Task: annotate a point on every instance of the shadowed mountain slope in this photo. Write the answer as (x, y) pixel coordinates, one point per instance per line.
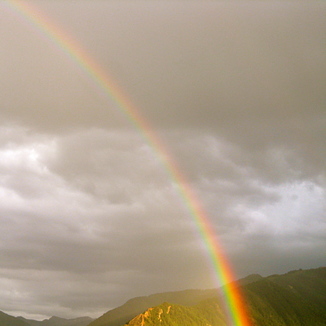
(57, 321)
(294, 298)
(7, 320)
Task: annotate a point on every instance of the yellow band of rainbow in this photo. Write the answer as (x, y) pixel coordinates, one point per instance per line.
(233, 298)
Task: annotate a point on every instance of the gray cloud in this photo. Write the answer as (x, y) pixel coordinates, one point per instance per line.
(90, 216)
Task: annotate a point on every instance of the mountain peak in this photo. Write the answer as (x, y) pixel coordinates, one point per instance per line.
(173, 314)
(250, 279)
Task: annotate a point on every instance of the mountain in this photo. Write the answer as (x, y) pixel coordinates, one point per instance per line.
(7, 320)
(167, 314)
(136, 306)
(297, 298)
(57, 321)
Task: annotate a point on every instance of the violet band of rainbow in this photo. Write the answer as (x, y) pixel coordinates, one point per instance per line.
(234, 302)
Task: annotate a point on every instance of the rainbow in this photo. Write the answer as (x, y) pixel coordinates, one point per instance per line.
(234, 302)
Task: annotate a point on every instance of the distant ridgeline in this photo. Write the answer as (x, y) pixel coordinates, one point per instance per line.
(7, 320)
(297, 298)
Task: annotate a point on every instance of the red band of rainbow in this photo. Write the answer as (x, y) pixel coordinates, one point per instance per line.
(233, 298)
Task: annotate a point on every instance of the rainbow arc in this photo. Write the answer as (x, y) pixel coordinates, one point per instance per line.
(234, 302)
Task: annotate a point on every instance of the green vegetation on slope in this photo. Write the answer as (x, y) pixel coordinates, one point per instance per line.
(168, 314)
(297, 298)
(136, 306)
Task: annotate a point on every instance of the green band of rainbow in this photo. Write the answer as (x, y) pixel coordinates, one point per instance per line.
(223, 273)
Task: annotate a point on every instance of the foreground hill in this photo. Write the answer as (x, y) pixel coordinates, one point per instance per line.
(207, 313)
(121, 315)
(136, 306)
(297, 298)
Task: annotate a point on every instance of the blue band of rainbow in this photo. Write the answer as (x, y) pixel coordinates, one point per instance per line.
(234, 302)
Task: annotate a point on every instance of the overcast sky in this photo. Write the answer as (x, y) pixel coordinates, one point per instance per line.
(89, 216)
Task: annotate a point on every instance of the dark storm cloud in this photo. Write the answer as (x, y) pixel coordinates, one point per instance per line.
(85, 204)
(90, 217)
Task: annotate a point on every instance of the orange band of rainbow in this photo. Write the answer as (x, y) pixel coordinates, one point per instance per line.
(233, 299)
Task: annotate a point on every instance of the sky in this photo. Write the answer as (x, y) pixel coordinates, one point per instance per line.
(89, 214)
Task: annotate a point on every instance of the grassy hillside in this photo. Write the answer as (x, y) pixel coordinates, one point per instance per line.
(309, 284)
(297, 298)
(136, 306)
(168, 314)
(271, 304)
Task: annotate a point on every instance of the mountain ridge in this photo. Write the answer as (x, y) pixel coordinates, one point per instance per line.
(122, 314)
(296, 298)
(54, 321)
